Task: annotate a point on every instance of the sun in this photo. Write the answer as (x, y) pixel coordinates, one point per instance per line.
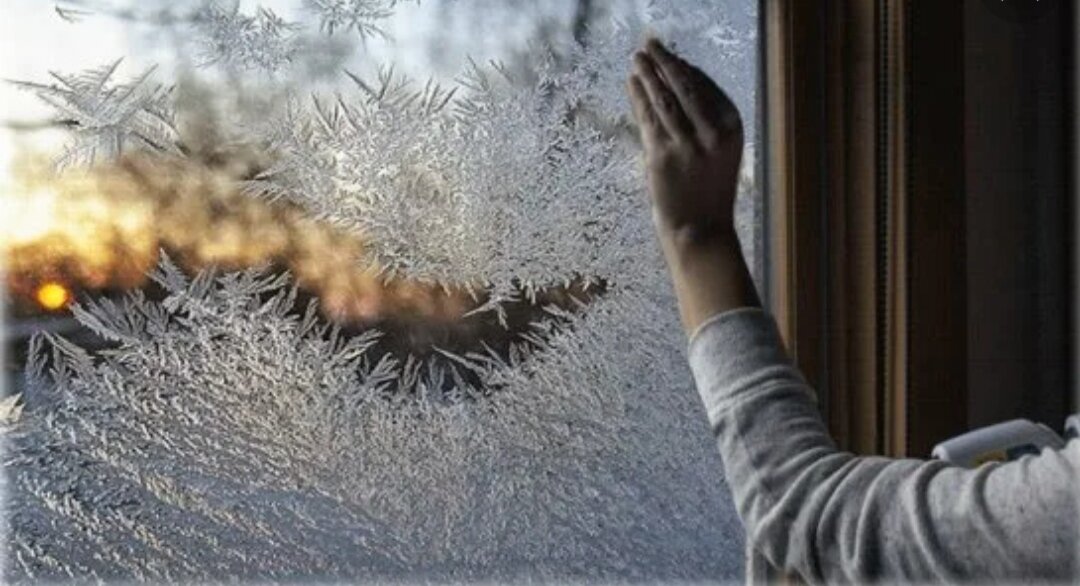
(52, 295)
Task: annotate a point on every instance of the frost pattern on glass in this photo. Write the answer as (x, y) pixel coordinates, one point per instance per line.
(263, 41)
(359, 16)
(104, 117)
(223, 435)
(486, 186)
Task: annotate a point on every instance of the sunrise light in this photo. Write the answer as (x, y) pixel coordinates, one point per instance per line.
(52, 296)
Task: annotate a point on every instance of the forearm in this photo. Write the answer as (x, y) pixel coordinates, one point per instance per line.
(709, 273)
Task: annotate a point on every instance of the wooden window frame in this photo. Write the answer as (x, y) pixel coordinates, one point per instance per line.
(850, 149)
(865, 122)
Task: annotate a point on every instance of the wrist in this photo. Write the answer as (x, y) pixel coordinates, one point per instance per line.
(709, 274)
(692, 239)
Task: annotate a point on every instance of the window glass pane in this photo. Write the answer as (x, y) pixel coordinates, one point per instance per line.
(344, 289)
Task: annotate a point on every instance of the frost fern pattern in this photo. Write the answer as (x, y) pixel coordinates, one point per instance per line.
(223, 434)
(106, 118)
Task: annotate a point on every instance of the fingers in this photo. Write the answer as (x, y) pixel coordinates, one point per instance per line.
(706, 105)
(664, 102)
(651, 129)
(683, 82)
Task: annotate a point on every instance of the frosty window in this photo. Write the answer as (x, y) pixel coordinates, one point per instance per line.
(346, 289)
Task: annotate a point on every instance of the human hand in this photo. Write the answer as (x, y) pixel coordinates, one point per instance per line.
(693, 141)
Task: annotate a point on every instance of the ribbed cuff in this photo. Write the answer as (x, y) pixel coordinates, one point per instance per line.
(731, 314)
(731, 346)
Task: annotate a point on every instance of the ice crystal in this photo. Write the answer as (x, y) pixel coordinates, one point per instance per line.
(264, 41)
(70, 14)
(360, 16)
(106, 118)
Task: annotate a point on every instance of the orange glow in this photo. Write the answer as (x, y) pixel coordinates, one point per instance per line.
(102, 228)
(52, 296)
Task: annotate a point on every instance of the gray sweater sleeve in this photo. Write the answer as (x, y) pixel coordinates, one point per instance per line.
(831, 516)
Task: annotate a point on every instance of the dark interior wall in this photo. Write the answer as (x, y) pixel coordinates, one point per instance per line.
(1072, 109)
(936, 242)
(1017, 121)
